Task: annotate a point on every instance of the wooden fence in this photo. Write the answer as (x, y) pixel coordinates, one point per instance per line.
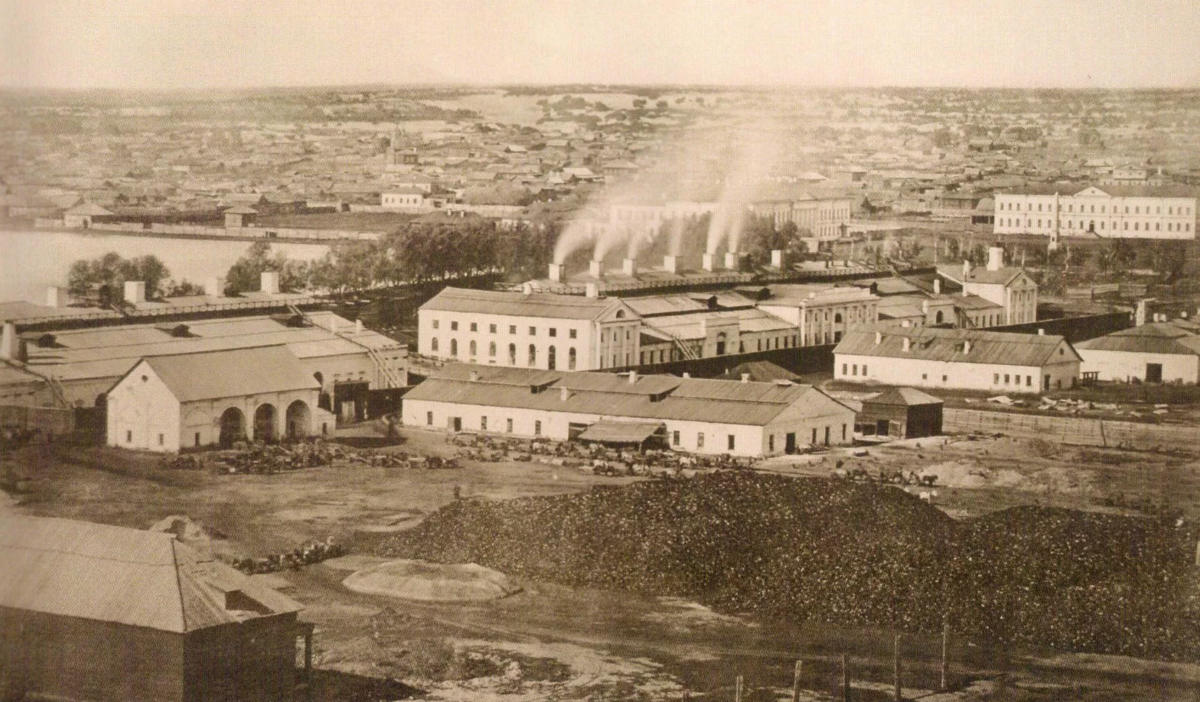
(50, 420)
(1077, 431)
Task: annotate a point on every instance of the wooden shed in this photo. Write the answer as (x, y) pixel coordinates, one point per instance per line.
(902, 413)
(96, 612)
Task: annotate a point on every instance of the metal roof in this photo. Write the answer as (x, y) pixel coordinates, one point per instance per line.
(119, 575)
(904, 397)
(220, 374)
(688, 325)
(1002, 276)
(947, 345)
(620, 432)
(519, 304)
(1161, 338)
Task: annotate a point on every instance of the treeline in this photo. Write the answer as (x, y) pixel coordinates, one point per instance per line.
(103, 279)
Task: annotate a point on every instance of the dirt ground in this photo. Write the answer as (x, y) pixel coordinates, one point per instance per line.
(555, 642)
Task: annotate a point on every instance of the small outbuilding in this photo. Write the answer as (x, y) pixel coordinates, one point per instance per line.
(240, 216)
(165, 403)
(84, 215)
(901, 413)
(97, 612)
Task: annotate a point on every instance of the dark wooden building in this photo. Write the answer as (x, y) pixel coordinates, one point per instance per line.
(103, 613)
(902, 413)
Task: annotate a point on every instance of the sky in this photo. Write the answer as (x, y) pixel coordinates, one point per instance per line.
(172, 44)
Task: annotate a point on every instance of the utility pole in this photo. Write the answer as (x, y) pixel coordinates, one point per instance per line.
(737, 693)
(845, 680)
(796, 680)
(899, 696)
(945, 645)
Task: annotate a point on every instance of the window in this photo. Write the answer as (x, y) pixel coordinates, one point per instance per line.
(454, 347)
(945, 378)
(483, 423)
(843, 432)
(854, 369)
(814, 439)
(843, 369)
(533, 331)
(571, 358)
(492, 349)
(537, 428)
(197, 438)
(771, 443)
(128, 437)
(512, 329)
(512, 354)
(436, 323)
(826, 436)
(532, 355)
(552, 359)
(1029, 381)
(429, 418)
(1006, 378)
(491, 328)
(996, 379)
(924, 376)
(474, 326)
(553, 331)
(732, 441)
(160, 439)
(433, 345)
(864, 370)
(508, 425)
(675, 438)
(473, 347)
(571, 333)
(700, 440)
(453, 326)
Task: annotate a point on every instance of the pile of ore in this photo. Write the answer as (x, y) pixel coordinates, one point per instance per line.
(842, 552)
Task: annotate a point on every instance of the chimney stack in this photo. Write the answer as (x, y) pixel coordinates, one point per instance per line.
(596, 268)
(966, 269)
(473, 376)
(671, 264)
(57, 297)
(358, 326)
(907, 344)
(556, 270)
(686, 374)
(995, 258)
(268, 282)
(777, 260)
(1041, 332)
(564, 394)
(709, 262)
(733, 260)
(8, 342)
(878, 338)
(214, 287)
(937, 286)
(592, 290)
(745, 377)
(135, 291)
(924, 306)
(966, 347)
(633, 376)
(629, 267)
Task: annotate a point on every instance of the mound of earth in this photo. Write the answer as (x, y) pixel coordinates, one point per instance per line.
(845, 553)
(432, 582)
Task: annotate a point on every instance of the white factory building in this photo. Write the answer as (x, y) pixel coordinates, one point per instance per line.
(1008, 287)
(966, 359)
(1110, 212)
(738, 418)
(165, 403)
(1164, 352)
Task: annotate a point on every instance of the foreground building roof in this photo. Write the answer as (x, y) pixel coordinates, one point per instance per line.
(957, 346)
(219, 374)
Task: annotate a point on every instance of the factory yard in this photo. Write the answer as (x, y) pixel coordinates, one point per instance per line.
(554, 641)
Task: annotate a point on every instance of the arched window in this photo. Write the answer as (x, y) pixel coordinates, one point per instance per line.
(492, 349)
(551, 358)
(512, 354)
(473, 348)
(837, 318)
(454, 347)
(433, 345)
(532, 356)
(721, 344)
(940, 317)
(620, 314)
(571, 358)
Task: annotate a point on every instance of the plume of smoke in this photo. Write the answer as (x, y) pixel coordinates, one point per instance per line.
(677, 225)
(578, 234)
(755, 155)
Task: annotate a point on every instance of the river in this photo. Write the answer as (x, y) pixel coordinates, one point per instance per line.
(31, 261)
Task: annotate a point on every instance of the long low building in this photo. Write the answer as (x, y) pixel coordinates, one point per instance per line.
(965, 359)
(739, 418)
(1153, 353)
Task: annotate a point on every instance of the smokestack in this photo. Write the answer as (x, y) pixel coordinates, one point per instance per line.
(924, 306)
(564, 394)
(671, 264)
(358, 326)
(135, 291)
(709, 262)
(57, 297)
(596, 268)
(777, 258)
(966, 347)
(937, 286)
(686, 374)
(629, 267)
(878, 338)
(592, 290)
(268, 282)
(214, 287)
(995, 258)
(556, 270)
(733, 260)
(473, 376)
(907, 343)
(745, 377)
(633, 377)
(1041, 332)
(9, 342)
(966, 270)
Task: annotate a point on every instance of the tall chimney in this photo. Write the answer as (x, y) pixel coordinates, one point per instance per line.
(1139, 317)
(564, 394)
(214, 287)
(473, 376)
(966, 269)
(9, 342)
(745, 377)
(269, 282)
(671, 264)
(556, 270)
(633, 377)
(907, 343)
(732, 260)
(135, 291)
(596, 268)
(358, 326)
(937, 286)
(592, 290)
(966, 347)
(777, 258)
(924, 306)
(629, 267)
(995, 258)
(709, 262)
(878, 338)
(57, 297)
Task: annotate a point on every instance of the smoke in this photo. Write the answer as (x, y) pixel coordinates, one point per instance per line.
(756, 152)
(578, 234)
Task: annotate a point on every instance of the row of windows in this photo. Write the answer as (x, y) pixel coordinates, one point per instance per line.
(472, 352)
(854, 369)
(1137, 209)
(730, 440)
(1007, 381)
(512, 329)
(483, 424)
(1091, 226)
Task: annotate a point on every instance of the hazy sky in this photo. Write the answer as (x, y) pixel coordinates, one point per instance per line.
(206, 43)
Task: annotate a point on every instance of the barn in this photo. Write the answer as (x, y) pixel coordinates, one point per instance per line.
(104, 613)
(902, 413)
(165, 403)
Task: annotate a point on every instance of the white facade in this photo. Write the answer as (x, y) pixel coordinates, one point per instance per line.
(956, 375)
(825, 315)
(1008, 287)
(1128, 366)
(1093, 212)
(402, 200)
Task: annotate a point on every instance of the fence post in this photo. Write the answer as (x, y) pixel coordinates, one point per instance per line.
(796, 680)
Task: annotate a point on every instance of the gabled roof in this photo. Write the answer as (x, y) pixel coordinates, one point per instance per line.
(947, 345)
(1159, 338)
(88, 209)
(980, 274)
(519, 304)
(904, 397)
(123, 576)
(236, 373)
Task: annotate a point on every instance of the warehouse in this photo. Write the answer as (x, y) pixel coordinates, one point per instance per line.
(1153, 353)
(165, 403)
(738, 418)
(967, 359)
(901, 413)
(97, 612)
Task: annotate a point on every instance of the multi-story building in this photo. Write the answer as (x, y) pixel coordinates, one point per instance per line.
(822, 314)
(1114, 212)
(1009, 287)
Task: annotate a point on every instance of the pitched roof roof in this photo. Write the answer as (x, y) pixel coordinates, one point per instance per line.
(88, 209)
(905, 397)
(934, 344)
(119, 575)
(236, 373)
(1162, 338)
(519, 304)
(980, 274)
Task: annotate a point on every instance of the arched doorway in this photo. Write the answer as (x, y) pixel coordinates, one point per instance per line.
(264, 423)
(233, 426)
(298, 420)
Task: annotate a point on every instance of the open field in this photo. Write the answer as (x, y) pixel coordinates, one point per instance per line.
(351, 221)
(554, 641)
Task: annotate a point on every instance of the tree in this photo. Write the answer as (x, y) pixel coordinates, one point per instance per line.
(105, 277)
(245, 274)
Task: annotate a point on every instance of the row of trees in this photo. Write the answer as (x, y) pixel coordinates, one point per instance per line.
(103, 279)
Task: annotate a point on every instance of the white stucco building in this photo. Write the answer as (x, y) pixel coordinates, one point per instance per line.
(1112, 212)
(739, 418)
(165, 403)
(1152, 353)
(1009, 287)
(967, 359)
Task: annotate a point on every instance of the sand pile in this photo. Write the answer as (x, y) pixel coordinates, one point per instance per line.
(432, 582)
